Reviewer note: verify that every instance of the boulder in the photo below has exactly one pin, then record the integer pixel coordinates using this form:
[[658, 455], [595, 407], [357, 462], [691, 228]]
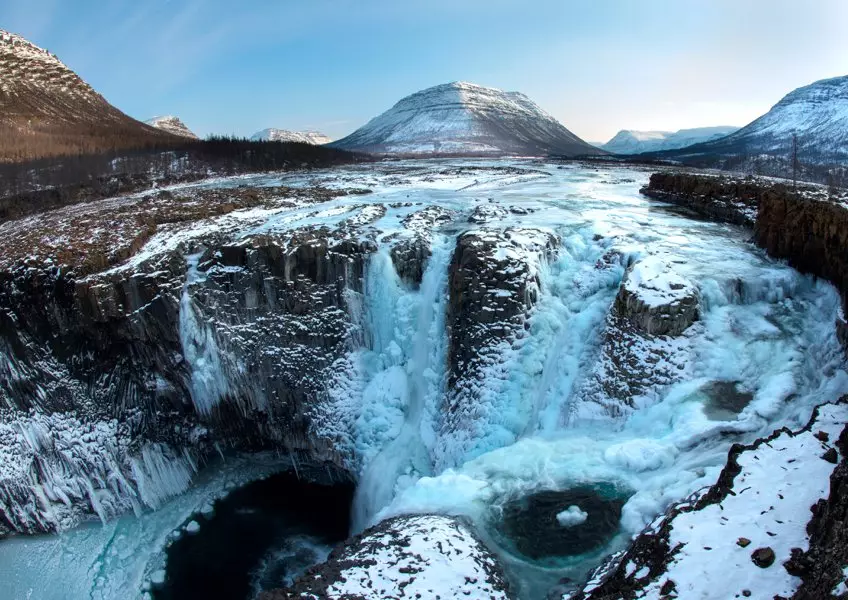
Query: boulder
[[425, 556]]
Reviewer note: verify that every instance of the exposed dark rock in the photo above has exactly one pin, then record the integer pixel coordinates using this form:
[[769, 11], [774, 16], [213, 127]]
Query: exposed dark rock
[[103, 357], [641, 350], [424, 556], [410, 258], [656, 300], [807, 226], [717, 198], [763, 557], [493, 282], [821, 566]]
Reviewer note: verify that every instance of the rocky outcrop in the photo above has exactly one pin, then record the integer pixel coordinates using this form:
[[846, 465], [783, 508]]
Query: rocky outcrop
[[117, 381], [716, 543], [809, 230], [644, 346], [493, 283], [726, 199], [807, 225], [655, 299], [428, 556], [821, 566]]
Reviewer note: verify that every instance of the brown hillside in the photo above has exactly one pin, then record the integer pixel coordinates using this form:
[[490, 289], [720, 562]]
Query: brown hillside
[[48, 110]]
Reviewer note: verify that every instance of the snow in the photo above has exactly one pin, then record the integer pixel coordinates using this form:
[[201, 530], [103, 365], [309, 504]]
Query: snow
[[779, 482], [534, 423], [51, 463], [571, 516], [630, 141], [457, 118], [653, 281], [283, 135], [22, 62], [441, 560], [171, 124], [122, 557], [817, 113]]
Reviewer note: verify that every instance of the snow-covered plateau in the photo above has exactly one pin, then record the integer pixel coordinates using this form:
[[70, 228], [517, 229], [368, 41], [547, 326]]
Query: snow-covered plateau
[[521, 365]]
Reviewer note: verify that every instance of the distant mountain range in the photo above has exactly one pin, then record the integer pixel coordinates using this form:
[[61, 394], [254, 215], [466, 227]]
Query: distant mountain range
[[466, 119], [284, 135], [817, 113], [46, 109], [172, 124], [630, 141]]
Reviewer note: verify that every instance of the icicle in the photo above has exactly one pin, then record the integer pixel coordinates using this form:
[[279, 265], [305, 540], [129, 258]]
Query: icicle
[[200, 349]]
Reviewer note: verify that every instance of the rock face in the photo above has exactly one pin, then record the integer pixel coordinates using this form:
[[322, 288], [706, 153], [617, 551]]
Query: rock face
[[466, 119], [172, 124], [644, 339], [116, 380], [272, 134], [717, 198], [809, 231], [494, 282], [821, 566], [628, 141], [657, 300], [806, 227], [763, 494], [46, 109], [424, 556]]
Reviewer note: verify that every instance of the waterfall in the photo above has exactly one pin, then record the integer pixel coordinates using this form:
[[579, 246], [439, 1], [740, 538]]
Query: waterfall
[[200, 349], [412, 345]]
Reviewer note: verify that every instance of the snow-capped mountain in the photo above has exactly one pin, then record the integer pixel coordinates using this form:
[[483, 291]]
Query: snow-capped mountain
[[272, 134], [47, 109], [172, 124], [817, 113], [464, 118], [630, 141]]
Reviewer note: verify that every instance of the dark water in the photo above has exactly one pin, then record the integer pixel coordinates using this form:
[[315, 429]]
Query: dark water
[[529, 524], [261, 535], [725, 400]]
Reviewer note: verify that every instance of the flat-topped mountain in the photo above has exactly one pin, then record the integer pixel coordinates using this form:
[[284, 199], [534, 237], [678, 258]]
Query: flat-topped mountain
[[466, 119]]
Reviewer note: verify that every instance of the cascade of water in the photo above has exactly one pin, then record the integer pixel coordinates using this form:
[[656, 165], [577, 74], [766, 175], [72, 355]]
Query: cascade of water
[[200, 349], [420, 381]]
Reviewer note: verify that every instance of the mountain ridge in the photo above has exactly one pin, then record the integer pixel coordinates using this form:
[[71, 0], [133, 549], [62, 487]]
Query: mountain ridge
[[631, 141], [817, 113], [273, 134], [46, 109]]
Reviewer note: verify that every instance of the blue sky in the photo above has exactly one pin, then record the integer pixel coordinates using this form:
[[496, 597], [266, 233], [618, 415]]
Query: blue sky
[[598, 66]]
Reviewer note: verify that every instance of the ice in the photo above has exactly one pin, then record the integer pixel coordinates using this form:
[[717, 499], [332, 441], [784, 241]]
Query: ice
[[571, 516], [762, 327], [399, 402], [200, 348], [117, 560]]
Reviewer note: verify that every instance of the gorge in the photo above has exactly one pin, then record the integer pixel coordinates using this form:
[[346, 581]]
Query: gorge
[[497, 346]]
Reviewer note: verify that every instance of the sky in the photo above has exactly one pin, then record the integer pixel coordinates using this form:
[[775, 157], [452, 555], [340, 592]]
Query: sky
[[597, 65]]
